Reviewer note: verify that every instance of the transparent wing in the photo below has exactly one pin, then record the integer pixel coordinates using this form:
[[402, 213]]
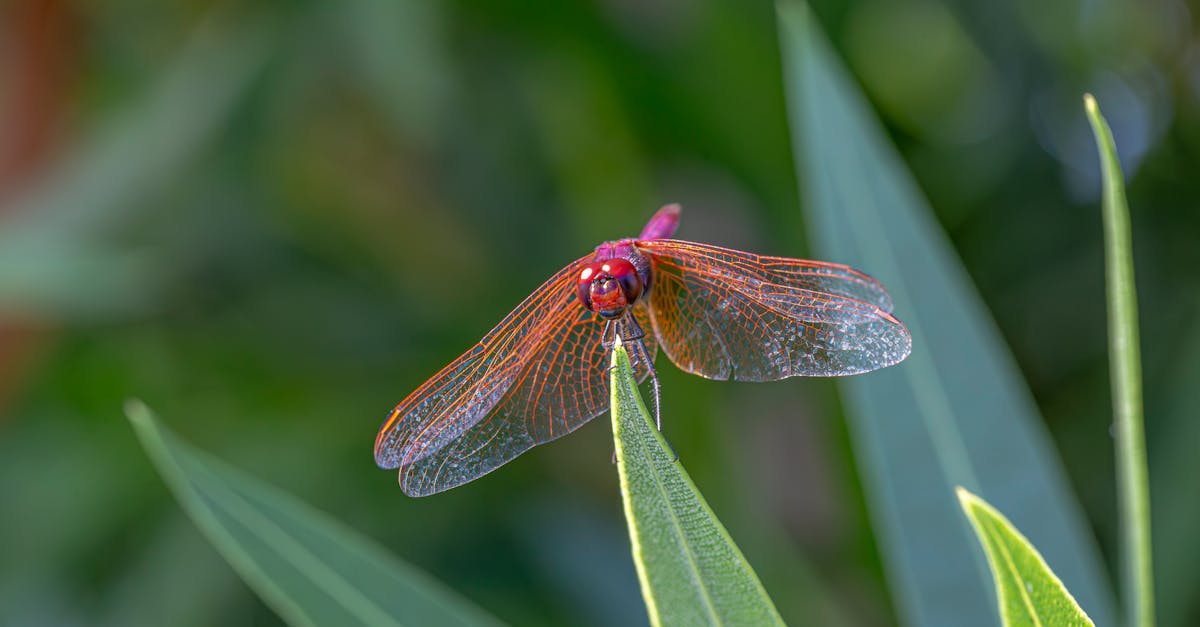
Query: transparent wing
[[537, 376], [562, 386], [727, 314]]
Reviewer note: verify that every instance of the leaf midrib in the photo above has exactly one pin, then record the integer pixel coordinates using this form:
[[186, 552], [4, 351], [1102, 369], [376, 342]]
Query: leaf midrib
[[681, 538], [196, 500], [1011, 566], [305, 561]]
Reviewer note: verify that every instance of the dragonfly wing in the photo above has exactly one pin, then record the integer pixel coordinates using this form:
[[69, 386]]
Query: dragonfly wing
[[727, 314], [562, 385], [465, 391], [537, 376]]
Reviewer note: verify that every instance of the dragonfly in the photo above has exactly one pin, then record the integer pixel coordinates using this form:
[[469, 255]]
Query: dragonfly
[[716, 312]]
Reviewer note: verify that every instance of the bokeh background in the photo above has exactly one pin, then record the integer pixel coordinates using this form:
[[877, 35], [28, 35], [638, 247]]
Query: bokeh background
[[272, 221]]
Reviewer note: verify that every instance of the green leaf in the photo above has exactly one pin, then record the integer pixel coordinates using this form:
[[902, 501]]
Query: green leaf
[[956, 412], [309, 568], [690, 570], [1027, 590], [1133, 483]]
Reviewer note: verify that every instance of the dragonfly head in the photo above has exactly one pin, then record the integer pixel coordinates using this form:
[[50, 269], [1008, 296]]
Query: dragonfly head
[[607, 287]]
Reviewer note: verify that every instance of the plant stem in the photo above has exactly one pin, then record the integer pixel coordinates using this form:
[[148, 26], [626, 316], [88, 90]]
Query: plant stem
[[1133, 489]]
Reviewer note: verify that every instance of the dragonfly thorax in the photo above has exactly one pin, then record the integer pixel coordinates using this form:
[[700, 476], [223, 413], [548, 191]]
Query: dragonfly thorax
[[608, 286]]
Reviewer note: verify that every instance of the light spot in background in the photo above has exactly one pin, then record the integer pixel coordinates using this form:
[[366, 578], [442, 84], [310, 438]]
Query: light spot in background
[[1136, 108], [925, 72]]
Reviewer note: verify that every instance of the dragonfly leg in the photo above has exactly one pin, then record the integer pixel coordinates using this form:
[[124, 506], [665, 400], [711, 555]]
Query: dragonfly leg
[[631, 334], [609, 338], [657, 395], [643, 356], [628, 327]]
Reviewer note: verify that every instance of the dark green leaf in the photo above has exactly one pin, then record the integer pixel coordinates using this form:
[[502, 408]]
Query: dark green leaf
[[309, 568], [956, 412]]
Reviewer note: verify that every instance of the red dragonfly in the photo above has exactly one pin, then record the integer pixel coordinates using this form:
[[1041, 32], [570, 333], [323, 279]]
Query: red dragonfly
[[716, 312]]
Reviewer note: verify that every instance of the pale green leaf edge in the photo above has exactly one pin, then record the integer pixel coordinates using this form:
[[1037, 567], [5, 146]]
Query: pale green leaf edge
[[976, 510], [155, 442], [621, 374], [155, 445], [1125, 365]]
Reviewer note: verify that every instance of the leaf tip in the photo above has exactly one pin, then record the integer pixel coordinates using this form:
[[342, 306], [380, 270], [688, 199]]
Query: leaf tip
[[1096, 119], [967, 499], [137, 412], [618, 350]]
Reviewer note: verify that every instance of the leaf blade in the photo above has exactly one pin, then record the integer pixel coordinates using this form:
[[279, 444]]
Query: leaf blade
[[307, 567], [1133, 482], [956, 412], [1027, 590], [690, 570]]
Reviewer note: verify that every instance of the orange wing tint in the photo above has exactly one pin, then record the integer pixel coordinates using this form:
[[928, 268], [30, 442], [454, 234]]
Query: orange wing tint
[[537, 376], [727, 314], [718, 313]]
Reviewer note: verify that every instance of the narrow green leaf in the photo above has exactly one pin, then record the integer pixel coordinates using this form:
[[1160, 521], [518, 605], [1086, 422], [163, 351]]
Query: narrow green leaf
[[690, 570], [1133, 482], [1028, 592], [956, 412], [310, 569]]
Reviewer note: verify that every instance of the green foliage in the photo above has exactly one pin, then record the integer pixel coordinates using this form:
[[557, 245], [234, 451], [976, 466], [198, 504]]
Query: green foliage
[[1125, 364], [956, 412], [274, 220], [1028, 592], [62, 255], [690, 570], [311, 569]]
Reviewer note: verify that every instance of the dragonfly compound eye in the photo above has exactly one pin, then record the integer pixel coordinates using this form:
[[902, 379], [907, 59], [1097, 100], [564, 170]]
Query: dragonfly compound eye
[[607, 287]]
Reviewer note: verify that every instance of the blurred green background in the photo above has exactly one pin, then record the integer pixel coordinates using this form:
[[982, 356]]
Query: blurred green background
[[273, 221]]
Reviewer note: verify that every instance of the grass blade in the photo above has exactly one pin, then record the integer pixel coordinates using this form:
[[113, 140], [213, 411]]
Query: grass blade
[[1133, 483], [1028, 592], [956, 412], [690, 570], [309, 568]]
